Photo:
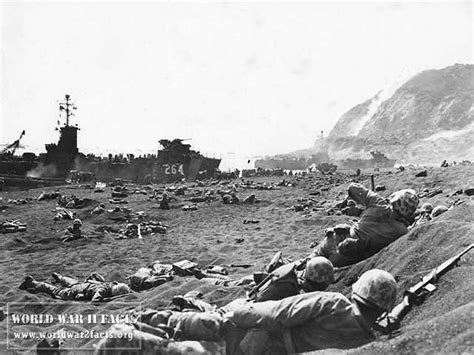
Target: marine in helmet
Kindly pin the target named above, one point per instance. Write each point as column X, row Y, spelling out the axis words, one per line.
column 283, row 281
column 423, row 214
column 288, row 280
column 318, row 274
column 375, row 290
column 165, row 201
column 73, row 232
column 438, row 210
column 382, row 222
column 315, row 320
column 94, row 288
column 301, row 323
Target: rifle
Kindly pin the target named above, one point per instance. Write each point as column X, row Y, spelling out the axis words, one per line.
column 274, row 264
column 416, row 294
column 252, row 294
column 245, row 266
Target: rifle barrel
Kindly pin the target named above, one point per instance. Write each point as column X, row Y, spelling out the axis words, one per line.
column 260, row 285
column 417, row 292
column 440, row 270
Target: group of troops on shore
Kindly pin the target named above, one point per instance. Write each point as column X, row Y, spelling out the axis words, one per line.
column 288, row 311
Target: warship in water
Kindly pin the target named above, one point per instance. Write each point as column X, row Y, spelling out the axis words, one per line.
column 174, row 162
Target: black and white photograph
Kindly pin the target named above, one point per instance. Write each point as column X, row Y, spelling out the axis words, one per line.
column 236, row 177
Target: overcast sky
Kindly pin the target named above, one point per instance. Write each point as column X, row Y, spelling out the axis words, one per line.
column 250, row 78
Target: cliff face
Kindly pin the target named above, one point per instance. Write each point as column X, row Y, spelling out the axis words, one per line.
column 353, row 120
column 426, row 120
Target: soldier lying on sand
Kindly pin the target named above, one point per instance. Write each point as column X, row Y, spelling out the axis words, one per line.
column 307, row 322
column 285, row 281
column 289, row 280
column 381, row 223
column 94, row 288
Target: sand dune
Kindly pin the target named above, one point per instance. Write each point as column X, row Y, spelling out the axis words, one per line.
column 442, row 324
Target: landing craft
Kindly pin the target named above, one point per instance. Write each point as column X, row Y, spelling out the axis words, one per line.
column 378, row 160
column 320, row 158
column 174, row 162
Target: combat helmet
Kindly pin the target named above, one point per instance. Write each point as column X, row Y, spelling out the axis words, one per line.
column 319, row 270
column 426, row 207
column 376, row 289
column 440, row 209
column 77, row 222
column 404, row 202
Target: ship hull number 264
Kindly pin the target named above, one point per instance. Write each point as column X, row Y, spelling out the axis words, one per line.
column 173, row 169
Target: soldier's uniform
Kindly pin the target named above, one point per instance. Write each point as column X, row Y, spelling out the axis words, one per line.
column 378, row 225
column 289, row 281
column 328, row 246
column 306, row 322
column 72, row 289
column 381, row 223
column 73, row 232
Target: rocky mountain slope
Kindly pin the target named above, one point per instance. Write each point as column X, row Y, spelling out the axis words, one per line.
column 352, row 121
column 430, row 117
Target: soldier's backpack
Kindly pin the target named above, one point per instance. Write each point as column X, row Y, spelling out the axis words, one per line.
column 279, row 284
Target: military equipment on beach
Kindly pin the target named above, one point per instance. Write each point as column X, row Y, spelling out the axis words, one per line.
column 270, row 276
column 184, row 267
column 244, row 266
column 416, row 294
column 279, row 284
column 276, row 262
column 252, row 294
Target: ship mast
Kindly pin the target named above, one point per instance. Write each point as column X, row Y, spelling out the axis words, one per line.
column 67, row 106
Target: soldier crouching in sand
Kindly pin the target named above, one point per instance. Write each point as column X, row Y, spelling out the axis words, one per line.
column 74, row 232
column 381, row 223
column 93, row 288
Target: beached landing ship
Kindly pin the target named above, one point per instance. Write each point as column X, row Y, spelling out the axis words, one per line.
column 178, row 158
column 173, row 163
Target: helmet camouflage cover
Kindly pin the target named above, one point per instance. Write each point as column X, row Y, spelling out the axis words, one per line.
column 404, row 202
column 319, row 270
column 438, row 210
column 426, row 207
column 376, row 289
